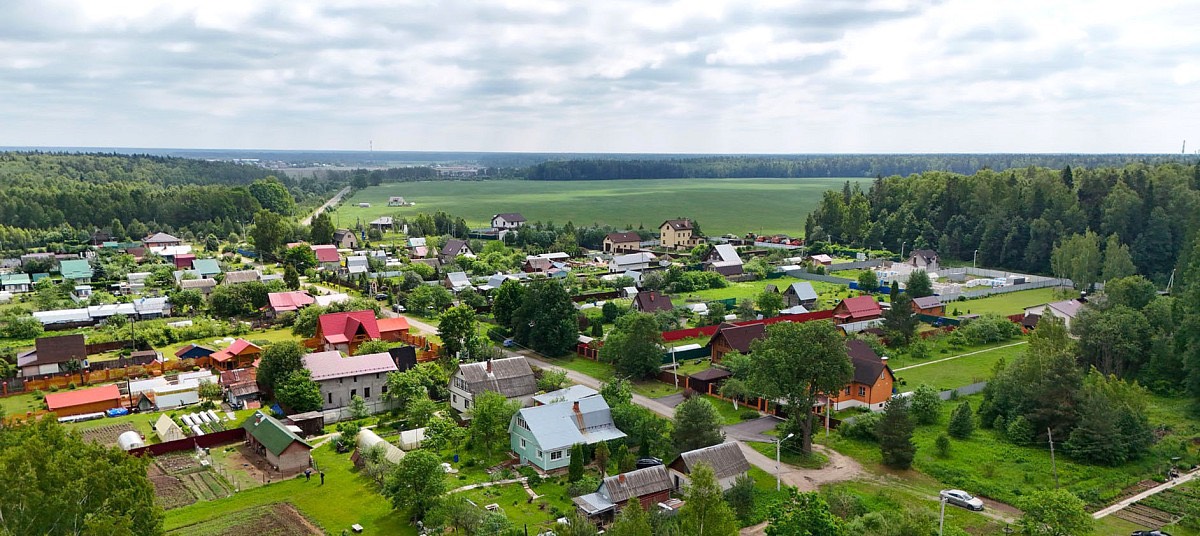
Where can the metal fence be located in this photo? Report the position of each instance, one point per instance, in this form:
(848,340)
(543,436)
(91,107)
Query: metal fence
(801,274)
(854,265)
(963,391)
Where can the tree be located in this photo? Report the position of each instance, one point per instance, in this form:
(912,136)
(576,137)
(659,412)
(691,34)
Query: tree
(610,311)
(305,323)
(508,299)
(1078,259)
(770,303)
(740,497)
(321,230)
(797,362)
(962,421)
(545,321)
(1117,260)
(417,483)
(457,330)
(634,346)
(373,347)
(1113,427)
(80,487)
(617,392)
(210,391)
(577,524)
(1055,512)
(298,392)
(704,511)
(273,196)
(895,435)
(279,360)
(291,278)
(632,521)
(1113,340)
(804,514)
(552,379)
(16,326)
(918,284)
(575,468)
(745,309)
(490,415)
(186,301)
(269,233)
(925,404)
(1134,292)
(453,512)
(900,322)
(602,455)
(697,425)
(1042,384)
(301,257)
(358,408)
(867,281)
(429,299)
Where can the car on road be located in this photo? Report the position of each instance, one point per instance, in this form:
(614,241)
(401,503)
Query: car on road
(508,343)
(961,498)
(1150,533)
(399,308)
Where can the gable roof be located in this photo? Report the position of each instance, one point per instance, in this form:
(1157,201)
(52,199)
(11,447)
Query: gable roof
(339,234)
(710,374)
(637,483)
(342,327)
(204,283)
(289,301)
(569,394)
(236,376)
(678,225)
(458,280)
(194,350)
(651,301)
(1064,309)
(241,276)
(388,325)
(271,433)
(739,337)
(633,258)
(554,426)
(803,290)
(75,269)
(59,349)
(928,254)
(331,365)
(867,364)
(727,253)
(104,393)
(454,246)
(628,236)
(511,377)
(326,253)
(726,459)
(160,238)
(539,264)
(861,306)
(239,347)
(206,266)
(927,302)
(513,217)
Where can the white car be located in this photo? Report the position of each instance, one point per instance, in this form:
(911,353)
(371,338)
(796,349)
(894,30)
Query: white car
(961,498)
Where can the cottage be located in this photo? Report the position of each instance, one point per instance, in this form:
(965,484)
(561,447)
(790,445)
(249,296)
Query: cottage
(345,331)
(15,283)
(511,377)
(857,309)
(1065,310)
(418,248)
(77,270)
(83,401)
(626,241)
(928,305)
(167,429)
(206,267)
(537,265)
(382,223)
(924,259)
(708,380)
(724,260)
(453,248)
(396,201)
(241,354)
(241,386)
(734,338)
(161,240)
(457,281)
(241,276)
(345,239)
(726,459)
(343,378)
(800,293)
(820,260)
(509,221)
(283,302)
(648,486)
(184,261)
(544,435)
(632,261)
(871,385)
(327,256)
(650,301)
(357,264)
(677,234)
(50,355)
(205,286)
(281,447)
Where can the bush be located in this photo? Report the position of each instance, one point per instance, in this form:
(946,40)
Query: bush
(1019,431)
(583,486)
(943,445)
(990,328)
(749,415)
(862,427)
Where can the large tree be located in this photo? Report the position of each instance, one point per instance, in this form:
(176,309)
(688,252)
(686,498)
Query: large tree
(490,417)
(1055,512)
(704,511)
(900,322)
(797,362)
(634,346)
(58,483)
(632,521)
(1113,340)
(769,303)
(1113,427)
(321,230)
(895,432)
(1041,385)
(545,321)
(804,514)
(273,196)
(417,483)
(278,361)
(918,284)
(697,425)
(1078,258)
(457,330)
(298,392)
(508,299)
(300,257)
(1117,260)
(269,234)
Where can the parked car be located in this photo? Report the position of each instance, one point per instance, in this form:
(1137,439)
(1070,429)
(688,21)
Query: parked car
(1150,533)
(381,296)
(961,498)
(399,308)
(508,343)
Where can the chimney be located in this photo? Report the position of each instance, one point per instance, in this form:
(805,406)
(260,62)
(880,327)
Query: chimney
(578,415)
(621,478)
(489,366)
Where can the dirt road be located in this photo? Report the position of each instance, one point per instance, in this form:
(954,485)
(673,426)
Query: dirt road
(332,201)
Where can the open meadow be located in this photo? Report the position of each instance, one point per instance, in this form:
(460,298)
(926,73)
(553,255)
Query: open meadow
(719,205)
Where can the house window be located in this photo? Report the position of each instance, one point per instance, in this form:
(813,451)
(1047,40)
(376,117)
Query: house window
(384,389)
(339,380)
(454,398)
(862,391)
(556,455)
(522,443)
(331,398)
(539,454)
(356,379)
(353,392)
(376,375)
(847,391)
(366,392)
(521,422)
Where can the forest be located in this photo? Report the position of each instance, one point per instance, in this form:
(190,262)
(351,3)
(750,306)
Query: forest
(1017,218)
(50,197)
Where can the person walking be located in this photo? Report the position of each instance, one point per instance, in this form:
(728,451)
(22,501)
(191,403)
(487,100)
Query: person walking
(307,475)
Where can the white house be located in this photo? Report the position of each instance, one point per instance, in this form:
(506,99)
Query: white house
(507,221)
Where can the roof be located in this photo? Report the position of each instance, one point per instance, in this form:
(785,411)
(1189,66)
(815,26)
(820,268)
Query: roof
(928,254)
(416,241)
(75,269)
(710,374)
(927,302)
(160,238)
(739,337)
(230,377)
(104,393)
(339,234)
(678,225)
(628,236)
(207,282)
(651,302)
(570,394)
(206,266)
(271,433)
(555,426)
(239,347)
(15,279)
(634,258)
(241,276)
(867,364)
(822,258)
(539,264)
(454,246)
(458,280)
(289,301)
(63,316)
(368,439)
(194,349)
(861,306)
(331,365)
(803,290)
(342,327)
(388,325)
(59,349)
(511,377)
(326,253)
(1066,308)
(382,220)
(637,483)
(510,216)
(726,459)
(727,253)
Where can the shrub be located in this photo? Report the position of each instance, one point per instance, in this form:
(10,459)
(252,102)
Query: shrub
(583,486)
(749,415)
(861,427)
(1019,431)
(943,445)
(962,421)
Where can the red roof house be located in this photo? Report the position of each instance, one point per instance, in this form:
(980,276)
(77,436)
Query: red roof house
(92,400)
(241,354)
(857,309)
(184,261)
(327,254)
(391,328)
(345,331)
(281,302)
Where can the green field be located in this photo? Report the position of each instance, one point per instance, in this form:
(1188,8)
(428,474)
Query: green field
(960,371)
(719,205)
(1007,304)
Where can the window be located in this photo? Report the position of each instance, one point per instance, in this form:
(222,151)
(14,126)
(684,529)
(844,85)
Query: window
(454,398)
(556,455)
(384,389)
(522,443)
(356,379)
(521,422)
(539,455)
(353,392)
(376,375)
(862,391)
(330,398)
(366,392)
(847,391)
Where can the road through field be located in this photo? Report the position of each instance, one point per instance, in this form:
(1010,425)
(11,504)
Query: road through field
(332,201)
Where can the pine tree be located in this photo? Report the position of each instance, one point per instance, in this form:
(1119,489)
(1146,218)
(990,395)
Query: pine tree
(895,435)
(632,521)
(575,470)
(962,421)
(602,455)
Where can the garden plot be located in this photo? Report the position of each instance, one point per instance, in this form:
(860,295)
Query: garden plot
(106,435)
(279,519)
(180,480)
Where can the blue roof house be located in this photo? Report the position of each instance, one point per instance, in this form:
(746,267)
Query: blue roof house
(544,435)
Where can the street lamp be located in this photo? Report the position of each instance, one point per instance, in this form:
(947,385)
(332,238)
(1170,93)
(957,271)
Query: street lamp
(777,443)
(902,244)
(973,257)
(942,516)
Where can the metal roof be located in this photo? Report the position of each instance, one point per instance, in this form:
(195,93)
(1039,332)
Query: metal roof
(559,425)
(331,365)
(570,394)
(726,459)
(271,433)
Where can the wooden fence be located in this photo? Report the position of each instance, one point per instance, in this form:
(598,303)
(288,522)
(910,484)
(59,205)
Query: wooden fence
(426,349)
(88,377)
(214,439)
(707,331)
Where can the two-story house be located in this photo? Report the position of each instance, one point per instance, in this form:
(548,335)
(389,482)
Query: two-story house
(511,377)
(508,221)
(924,259)
(871,385)
(345,239)
(345,331)
(343,378)
(677,234)
(452,249)
(626,241)
(544,435)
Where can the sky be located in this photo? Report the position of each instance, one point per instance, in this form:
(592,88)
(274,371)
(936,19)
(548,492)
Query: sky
(693,76)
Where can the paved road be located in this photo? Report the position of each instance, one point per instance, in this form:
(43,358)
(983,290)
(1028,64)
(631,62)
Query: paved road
(332,201)
(583,379)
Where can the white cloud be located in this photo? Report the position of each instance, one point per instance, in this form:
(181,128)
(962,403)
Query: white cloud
(622,75)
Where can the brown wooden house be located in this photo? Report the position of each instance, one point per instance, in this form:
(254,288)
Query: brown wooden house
(734,338)
(929,305)
(648,486)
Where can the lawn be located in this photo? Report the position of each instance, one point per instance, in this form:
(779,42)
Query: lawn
(829,292)
(515,503)
(1006,304)
(19,404)
(346,498)
(729,414)
(892,495)
(720,205)
(268,336)
(957,372)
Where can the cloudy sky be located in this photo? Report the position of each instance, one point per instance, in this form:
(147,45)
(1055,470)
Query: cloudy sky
(761,76)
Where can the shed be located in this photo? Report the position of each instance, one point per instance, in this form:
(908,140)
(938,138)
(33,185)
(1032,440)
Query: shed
(167,429)
(311,423)
(95,399)
(708,378)
(727,460)
(273,440)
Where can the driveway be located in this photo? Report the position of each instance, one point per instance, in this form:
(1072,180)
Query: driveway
(670,400)
(753,430)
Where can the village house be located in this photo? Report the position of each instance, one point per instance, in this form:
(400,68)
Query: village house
(509,221)
(871,385)
(357,264)
(241,354)
(452,249)
(281,447)
(327,257)
(161,240)
(929,305)
(457,282)
(924,259)
(820,260)
(345,331)
(285,302)
(417,247)
(632,261)
(567,394)
(734,338)
(15,283)
(343,378)
(194,351)
(206,267)
(544,435)
(241,276)
(345,239)
(241,386)
(650,301)
(857,309)
(84,401)
(382,223)
(677,234)
(204,286)
(649,486)
(626,241)
(50,355)
(396,201)
(724,260)
(511,377)
(800,293)
(1065,310)
(726,460)
(77,270)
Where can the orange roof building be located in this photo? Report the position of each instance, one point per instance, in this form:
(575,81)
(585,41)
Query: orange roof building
(241,354)
(93,400)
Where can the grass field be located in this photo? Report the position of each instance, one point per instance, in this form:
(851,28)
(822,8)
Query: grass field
(1007,304)
(960,371)
(830,293)
(720,205)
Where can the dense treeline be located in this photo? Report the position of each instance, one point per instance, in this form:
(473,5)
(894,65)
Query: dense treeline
(1016,218)
(84,192)
(865,165)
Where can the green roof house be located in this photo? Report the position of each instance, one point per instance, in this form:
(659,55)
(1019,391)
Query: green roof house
(77,270)
(15,282)
(282,448)
(206,267)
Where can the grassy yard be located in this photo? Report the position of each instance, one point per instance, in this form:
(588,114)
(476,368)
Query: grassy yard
(830,293)
(346,498)
(893,495)
(729,415)
(720,205)
(595,369)
(268,336)
(515,503)
(959,371)
(1006,304)
(19,404)
(790,456)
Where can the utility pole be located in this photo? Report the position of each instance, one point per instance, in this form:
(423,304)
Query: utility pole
(1053,465)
